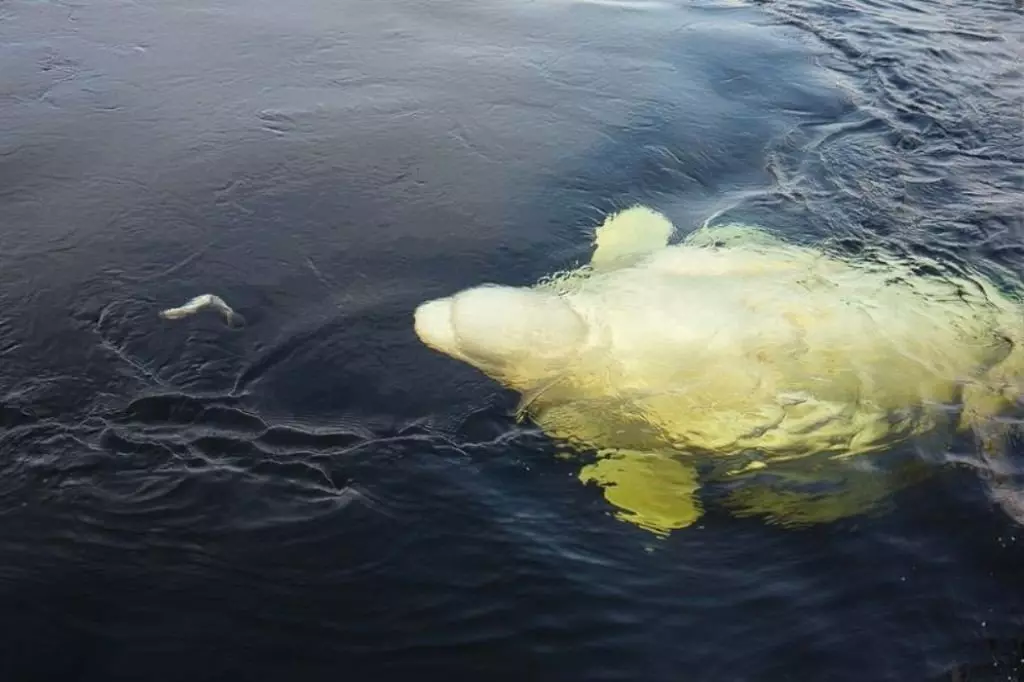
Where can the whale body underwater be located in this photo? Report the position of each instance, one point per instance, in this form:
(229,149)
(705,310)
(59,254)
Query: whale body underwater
(737,350)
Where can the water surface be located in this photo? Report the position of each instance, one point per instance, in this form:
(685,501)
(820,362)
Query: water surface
(319,496)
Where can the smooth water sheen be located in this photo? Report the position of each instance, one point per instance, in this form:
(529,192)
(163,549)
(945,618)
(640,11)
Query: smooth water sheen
(317,496)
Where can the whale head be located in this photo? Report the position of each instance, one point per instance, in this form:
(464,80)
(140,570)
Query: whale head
(517,336)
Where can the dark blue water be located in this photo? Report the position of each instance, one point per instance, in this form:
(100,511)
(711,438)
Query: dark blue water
(317,496)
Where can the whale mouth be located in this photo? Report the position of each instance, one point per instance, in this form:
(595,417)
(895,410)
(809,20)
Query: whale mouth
(433,325)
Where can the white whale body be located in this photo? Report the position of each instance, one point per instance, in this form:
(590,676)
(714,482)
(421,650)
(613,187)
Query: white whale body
(736,346)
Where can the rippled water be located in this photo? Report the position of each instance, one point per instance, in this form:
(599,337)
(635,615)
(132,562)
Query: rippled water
(317,496)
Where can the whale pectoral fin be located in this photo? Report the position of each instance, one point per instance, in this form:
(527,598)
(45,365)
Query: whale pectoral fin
(997,393)
(654,491)
(986,403)
(982,405)
(796,508)
(800,499)
(629,235)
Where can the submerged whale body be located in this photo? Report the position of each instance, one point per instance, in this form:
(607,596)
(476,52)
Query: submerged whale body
(735,346)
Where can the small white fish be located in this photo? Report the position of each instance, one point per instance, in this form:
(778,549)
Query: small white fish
(231,318)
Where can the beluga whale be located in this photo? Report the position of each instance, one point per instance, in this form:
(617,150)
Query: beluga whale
(734,353)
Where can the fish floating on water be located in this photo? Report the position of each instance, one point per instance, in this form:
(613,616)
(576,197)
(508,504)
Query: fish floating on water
(742,351)
(202,302)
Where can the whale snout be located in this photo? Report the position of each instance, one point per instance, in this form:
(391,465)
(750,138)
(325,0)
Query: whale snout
(434,325)
(500,329)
